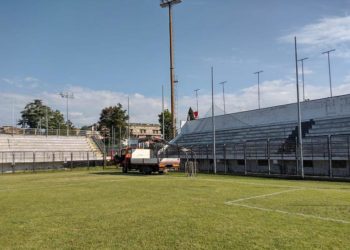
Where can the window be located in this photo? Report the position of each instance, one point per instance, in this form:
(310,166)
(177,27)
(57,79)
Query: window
(143,131)
(155,131)
(338,164)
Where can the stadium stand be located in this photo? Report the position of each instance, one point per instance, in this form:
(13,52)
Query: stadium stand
(265,140)
(22,151)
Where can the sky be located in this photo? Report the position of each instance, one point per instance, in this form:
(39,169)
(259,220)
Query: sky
(106,50)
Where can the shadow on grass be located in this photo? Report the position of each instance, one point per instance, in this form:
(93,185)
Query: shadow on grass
(122,174)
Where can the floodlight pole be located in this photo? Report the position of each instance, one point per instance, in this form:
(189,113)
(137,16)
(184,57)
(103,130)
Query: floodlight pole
(329,69)
(67,95)
(196,90)
(258,73)
(169,4)
(300,139)
(128,121)
(213,118)
(302,74)
(163,129)
(223,94)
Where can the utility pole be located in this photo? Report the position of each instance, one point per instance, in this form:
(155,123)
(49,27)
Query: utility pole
(213,118)
(300,138)
(168,4)
(196,90)
(329,69)
(128,121)
(223,95)
(67,95)
(163,129)
(302,74)
(258,73)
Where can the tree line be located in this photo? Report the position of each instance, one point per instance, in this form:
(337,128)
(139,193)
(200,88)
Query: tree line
(39,116)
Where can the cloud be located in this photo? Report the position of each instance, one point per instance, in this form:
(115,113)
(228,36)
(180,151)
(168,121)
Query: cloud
(328,32)
(19,82)
(273,93)
(87,104)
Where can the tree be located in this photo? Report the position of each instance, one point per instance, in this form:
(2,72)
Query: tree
(190,115)
(168,129)
(113,117)
(37,115)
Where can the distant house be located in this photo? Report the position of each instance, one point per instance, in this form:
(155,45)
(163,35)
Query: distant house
(145,130)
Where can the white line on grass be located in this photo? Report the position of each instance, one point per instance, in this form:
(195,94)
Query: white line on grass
(261,196)
(291,213)
(236,203)
(274,185)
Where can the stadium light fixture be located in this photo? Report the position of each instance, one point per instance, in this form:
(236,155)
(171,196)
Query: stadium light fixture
(258,73)
(67,95)
(302,74)
(329,69)
(223,95)
(168,4)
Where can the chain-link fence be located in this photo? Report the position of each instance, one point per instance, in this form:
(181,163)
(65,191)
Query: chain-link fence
(35,161)
(324,156)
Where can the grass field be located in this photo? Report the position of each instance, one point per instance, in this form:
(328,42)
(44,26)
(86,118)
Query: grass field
(106,209)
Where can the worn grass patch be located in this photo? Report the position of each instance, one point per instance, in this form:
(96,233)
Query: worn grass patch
(106,209)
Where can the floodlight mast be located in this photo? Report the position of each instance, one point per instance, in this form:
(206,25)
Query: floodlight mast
(329,69)
(67,95)
(258,73)
(169,4)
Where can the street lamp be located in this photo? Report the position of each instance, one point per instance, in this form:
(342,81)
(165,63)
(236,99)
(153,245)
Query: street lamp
(258,73)
(223,94)
(67,95)
(302,74)
(329,69)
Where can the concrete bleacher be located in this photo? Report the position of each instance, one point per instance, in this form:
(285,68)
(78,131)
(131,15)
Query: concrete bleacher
(24,149)
(238,134)
(271,134)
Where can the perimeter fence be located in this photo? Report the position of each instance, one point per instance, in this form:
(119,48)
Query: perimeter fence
(323,156)
(35,161)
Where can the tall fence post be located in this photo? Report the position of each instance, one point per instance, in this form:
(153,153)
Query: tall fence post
(245,157)
(297,156)
(225,166)
(88,160)
(348,153)
(53,160)
(268,155)
(33,167)
(329,140)
(71,161)
(13,163)
(208,159)
(2,162)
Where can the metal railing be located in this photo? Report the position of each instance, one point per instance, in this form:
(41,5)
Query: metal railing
(327,156)
(47,132)
(42,160)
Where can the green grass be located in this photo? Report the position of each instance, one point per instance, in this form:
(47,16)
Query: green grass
(105,209)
